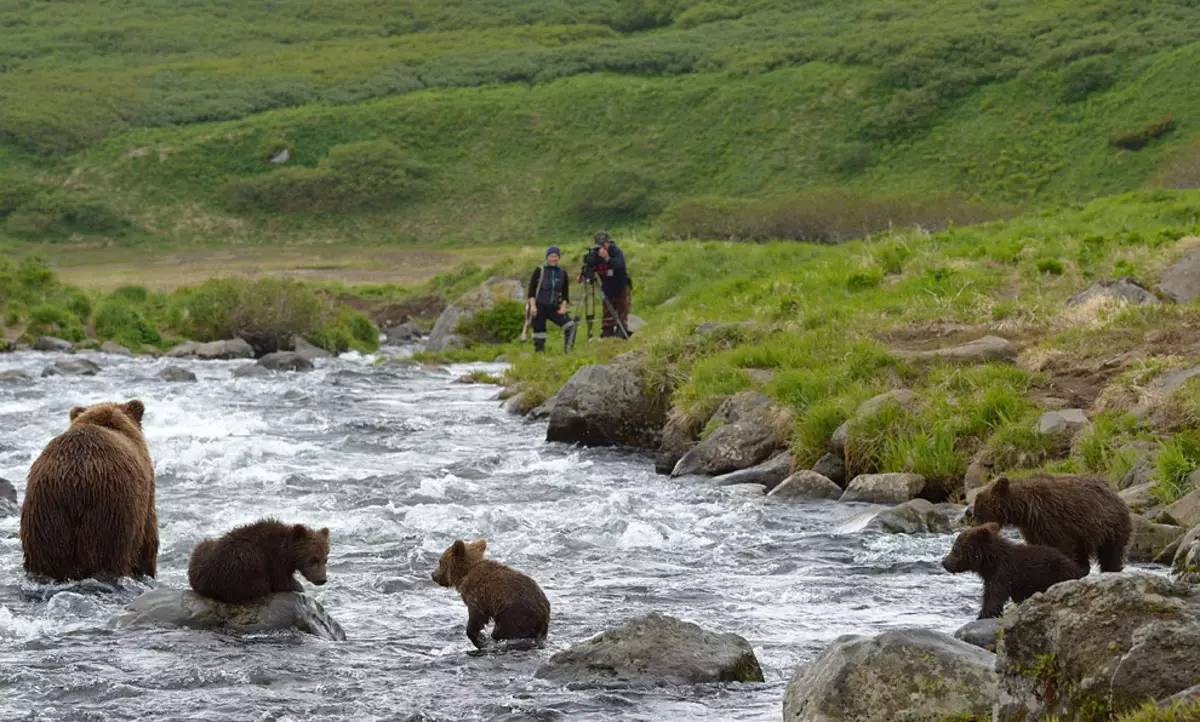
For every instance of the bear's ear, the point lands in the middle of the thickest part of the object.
(459, 549)
(136, 409)
(324, 531)
(1001, 484)
(299, 531)
(991, 527)
(75, 412)
(479, 546)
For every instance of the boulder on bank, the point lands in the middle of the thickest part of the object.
(832, 467)
(1181, 282)
(806, 484)
(176, 374)
(71, 367)
(407, 332)
(982, 633)
(1124, 289)
(754, 429)
(1184, 512)
(1150, 539)
(261, 342)
(15, 377)
(981, 350)
(678, 437)
(655, 650)
(884, 488)
(285, 361)
(1185, 562)
(904, 674)
(52, 344)
(769, 474)
(1066, 422)
(606, 405)
(1105, 642)
(445, 331)
(308, 350)
(918, 517)
(906, 399)
(233, 348)
(114, 349)
(185, 608)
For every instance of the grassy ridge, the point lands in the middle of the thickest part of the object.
(542, 119)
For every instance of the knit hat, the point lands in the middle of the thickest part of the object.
(553, 250)
(602, 236)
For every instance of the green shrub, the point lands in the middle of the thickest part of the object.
(223, 308)
(501, 323)
(346, 330)
(1050, 267)
(116, 321)
(705, 13)
(15, 192)
(136, 295)
(1140, 138)
(50, 320)
(1177, 458)
(1087, 76)
(613, 193)
(58, 211)
(864, 280)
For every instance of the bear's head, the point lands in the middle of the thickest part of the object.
(458, 560)
(967, 553)
(310, 552)
(123, 418)
(995, 503)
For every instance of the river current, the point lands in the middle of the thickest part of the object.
(399, 461)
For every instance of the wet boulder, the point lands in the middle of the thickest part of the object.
(1185, 562)
(234, 348)
(982, 350)
(918, 517)
(252, 371)
(832, 467)
(1105, 642)
(754, 429)
(903, 674)
(71, 367)
(1140, 498)
(15, 377)
(1150, 539)
(8, 498)
(184, 608)
(407, 332)
(1124, 289)
(176, 374)
(884, 488)
(445, 331)
(285, 361)
(654, 650)
(982, 633)
(1140, 474)
(806, 484)
(114, 349)
(769, 473)
(308, 350)
(678, 437)
(1184, 512)
(1181, 282)
(52, 344)
(606, 405)
(261, 342)
(518, 404)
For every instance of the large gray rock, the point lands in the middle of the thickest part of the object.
(1181, 282)
(832, 467)
(1150, 539)
(308, 350)
(655, 650)
(185, 608)
(1184, 513)
(917, 517)
(884, 488)
(1140, 499)
(176, 374)
(445, 335)
(769, 473)
(1123, 289)
(1140, 474)
(71, 367)
(8, 498)
(407, 332)
(678, 437)
(233, 348)
(636, 323)
(50, 343)
(15, 377)
(1185, 563)
(806, 485)
(252, 371)
(982, 633)
(1065, 422)
(982, 350)
(114, 349)
(904, 674)
(606, 406)
(285, 361)
(753, 431)
(1104, 644)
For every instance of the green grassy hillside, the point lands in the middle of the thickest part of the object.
(471, 121)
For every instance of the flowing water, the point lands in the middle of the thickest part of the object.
(399, 461)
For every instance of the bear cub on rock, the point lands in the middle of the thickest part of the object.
(1009, 570)
(258, 559)
(1079, 516)
(493, 591)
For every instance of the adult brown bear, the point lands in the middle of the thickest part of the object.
(89, 502)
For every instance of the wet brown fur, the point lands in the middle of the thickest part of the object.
(254, 560)
(1009, 570)
(89, 500)
(493, 591)
(1080, 516)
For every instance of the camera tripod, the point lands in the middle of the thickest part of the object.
(590, 291)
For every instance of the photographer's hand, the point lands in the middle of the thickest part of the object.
(562, 308)
(533, 307)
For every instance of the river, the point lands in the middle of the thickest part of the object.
(399, 461)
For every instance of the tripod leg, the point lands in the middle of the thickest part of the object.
(615, 315)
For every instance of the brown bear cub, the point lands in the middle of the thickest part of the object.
(258, 559)
(1079, 516)
(89, 501)
(493, 591)
(1016, 571)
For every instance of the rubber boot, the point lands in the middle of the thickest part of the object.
(569, 329)
(539, 345)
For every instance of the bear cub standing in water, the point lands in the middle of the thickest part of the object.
(258, 559)
(1008, 569)
(493, 591)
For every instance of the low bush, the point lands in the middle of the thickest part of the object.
(1086, 76)
(613, 193)
(116, 320)
(1140, 138)
(501, 323)
(223, 308)
(52, 320)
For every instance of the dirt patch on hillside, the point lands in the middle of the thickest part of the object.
(386, 313)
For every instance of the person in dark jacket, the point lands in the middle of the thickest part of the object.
(549, 295)
(617, 287)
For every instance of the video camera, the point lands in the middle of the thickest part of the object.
(591, 264)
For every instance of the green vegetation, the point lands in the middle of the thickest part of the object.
(157, 121)
(1151, 712)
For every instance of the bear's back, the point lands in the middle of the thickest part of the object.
(89, 458)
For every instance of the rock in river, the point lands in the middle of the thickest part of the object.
(605, 405)
(655, 650)
(185, 608)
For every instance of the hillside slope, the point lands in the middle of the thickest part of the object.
(529, 119)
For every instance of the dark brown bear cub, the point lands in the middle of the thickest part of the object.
(258, 559)
(89, 502)
(1079, 516)
(1016, 571)
(493, 591)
